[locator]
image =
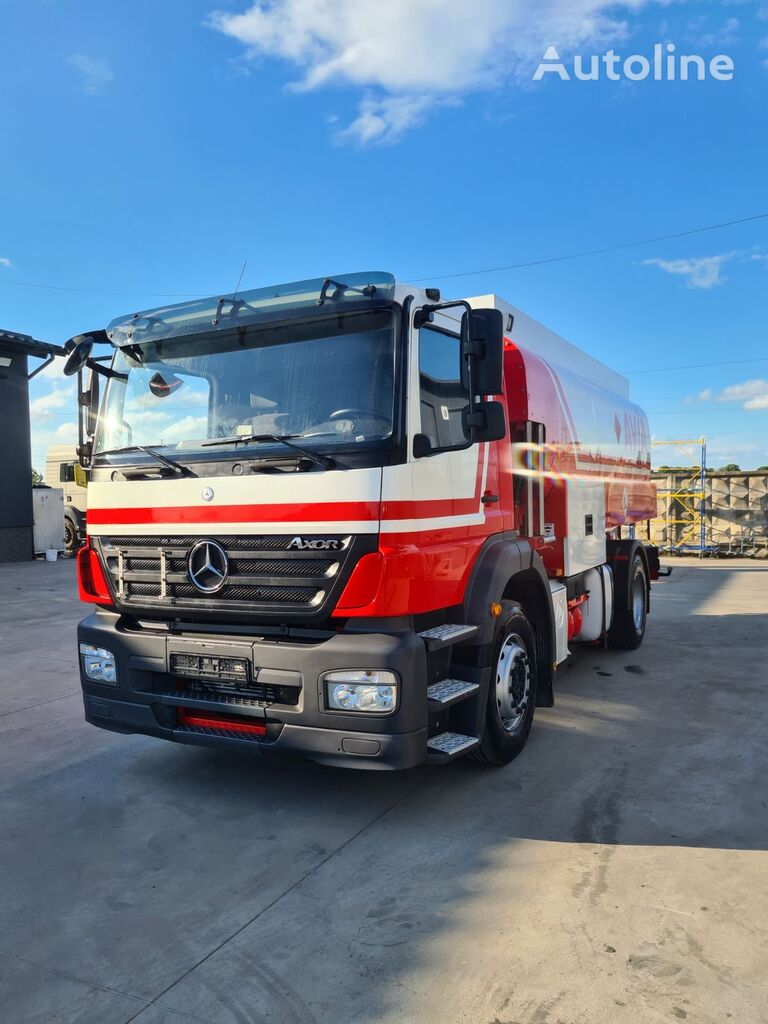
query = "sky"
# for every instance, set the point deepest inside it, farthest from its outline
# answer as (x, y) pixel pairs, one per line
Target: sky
(150, 149)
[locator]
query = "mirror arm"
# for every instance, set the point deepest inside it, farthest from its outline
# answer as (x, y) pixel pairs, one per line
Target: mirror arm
(105, 371)
(97, 337)
(424, 315)
(425, 312)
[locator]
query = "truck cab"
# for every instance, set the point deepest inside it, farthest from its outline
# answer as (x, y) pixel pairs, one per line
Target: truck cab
(61, 465)
(317, 525)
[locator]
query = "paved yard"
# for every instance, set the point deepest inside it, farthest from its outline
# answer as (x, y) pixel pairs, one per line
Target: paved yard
(616, 872)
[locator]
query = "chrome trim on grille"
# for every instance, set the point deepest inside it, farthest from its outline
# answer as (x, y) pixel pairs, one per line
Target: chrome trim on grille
(265, 573)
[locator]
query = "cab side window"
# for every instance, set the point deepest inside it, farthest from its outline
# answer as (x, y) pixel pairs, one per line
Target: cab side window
(443, 398)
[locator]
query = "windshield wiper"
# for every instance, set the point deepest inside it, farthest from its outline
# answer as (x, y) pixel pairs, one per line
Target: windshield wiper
(325, 461)
(177, 468)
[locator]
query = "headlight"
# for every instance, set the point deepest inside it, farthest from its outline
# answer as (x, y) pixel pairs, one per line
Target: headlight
(361, 691)
(99, 664)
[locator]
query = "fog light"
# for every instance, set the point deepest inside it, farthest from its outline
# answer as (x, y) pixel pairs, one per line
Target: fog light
(98, 664)
(361, 691)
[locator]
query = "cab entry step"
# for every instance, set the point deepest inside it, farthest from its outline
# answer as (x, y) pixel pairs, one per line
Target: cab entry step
(448, 745)
(450, 691)
(450, 633)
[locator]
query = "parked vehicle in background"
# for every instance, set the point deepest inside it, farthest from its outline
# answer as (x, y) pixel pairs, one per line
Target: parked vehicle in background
(61, 469)
(347, 520)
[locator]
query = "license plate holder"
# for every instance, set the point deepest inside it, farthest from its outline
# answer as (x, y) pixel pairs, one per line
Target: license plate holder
(214, 668)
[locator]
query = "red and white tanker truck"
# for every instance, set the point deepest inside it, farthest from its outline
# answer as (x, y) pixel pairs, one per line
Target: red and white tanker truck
(348, 520)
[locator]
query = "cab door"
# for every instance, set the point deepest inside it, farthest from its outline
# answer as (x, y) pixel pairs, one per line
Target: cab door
(434, 503)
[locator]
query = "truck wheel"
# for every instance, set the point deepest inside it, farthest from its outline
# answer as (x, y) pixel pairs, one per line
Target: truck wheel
(511, 691)
(630, 603)
(71, 536)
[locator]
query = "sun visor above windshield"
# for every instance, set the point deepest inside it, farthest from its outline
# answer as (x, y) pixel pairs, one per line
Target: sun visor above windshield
(260, 305)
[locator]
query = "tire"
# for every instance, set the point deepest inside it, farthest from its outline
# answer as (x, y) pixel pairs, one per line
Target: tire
(511, 689)
(71, 536)
(630, 603)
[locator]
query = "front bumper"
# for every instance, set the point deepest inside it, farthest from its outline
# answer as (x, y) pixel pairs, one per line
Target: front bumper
(147, 699)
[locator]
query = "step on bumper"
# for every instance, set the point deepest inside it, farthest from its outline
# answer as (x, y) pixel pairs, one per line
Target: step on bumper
(450, 691)
(447, 635)
(447, 746)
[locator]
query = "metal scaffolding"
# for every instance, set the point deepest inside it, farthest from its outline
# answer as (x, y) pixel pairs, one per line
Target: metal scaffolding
(683, 521)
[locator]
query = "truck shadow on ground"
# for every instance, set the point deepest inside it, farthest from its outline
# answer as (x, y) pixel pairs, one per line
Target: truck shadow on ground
(636, 750)
(638, 753)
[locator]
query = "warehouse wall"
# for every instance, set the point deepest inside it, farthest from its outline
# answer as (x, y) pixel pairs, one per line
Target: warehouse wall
(735, 515)
(15, 461)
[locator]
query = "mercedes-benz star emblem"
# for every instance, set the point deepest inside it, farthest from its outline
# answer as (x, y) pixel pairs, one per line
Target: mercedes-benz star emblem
(208, 566)
(207, 494)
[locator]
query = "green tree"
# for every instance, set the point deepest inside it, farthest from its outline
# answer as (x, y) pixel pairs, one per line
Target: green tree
(37, 480)
(730, 467)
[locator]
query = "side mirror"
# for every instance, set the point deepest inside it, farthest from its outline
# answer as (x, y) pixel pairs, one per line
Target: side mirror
(78, 357)
(486, 346)
(484, 421)
(422, 446)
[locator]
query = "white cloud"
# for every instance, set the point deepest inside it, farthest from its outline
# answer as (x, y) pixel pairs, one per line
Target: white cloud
(5, 262)
(752, 394)
(96, 71)
(66, 432)
(705, 272)
(705, 35)
(55, 371)
(46, 406)
(147, 420)
(409, 55)
(745, 453)
(190, 428)
(385, 120)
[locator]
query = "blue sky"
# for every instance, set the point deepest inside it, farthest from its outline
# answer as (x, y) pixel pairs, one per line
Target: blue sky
(151, 148)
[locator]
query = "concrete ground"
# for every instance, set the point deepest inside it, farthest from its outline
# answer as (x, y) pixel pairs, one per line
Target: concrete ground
(616, 872)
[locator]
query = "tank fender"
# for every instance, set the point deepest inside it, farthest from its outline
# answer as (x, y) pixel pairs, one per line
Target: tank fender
(509, 568)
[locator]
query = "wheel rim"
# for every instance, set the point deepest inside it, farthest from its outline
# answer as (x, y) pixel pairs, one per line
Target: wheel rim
(638, 600)
(513, 682)
(69, 536)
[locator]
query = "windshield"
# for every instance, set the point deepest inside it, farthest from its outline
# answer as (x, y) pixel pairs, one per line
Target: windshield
(330, 382)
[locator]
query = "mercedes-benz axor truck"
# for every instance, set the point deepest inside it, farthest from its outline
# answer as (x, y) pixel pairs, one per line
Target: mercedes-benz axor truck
(350, 520)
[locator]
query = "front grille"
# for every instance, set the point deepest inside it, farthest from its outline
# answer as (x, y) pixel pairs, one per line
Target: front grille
(231, 592)
(264, 573)
(253, 697)
(227, 700)
(265, 542)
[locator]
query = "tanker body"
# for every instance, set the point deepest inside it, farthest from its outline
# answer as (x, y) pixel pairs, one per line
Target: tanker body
(374, 540)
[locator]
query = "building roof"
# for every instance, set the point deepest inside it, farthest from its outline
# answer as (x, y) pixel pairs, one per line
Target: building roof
(25, 344)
